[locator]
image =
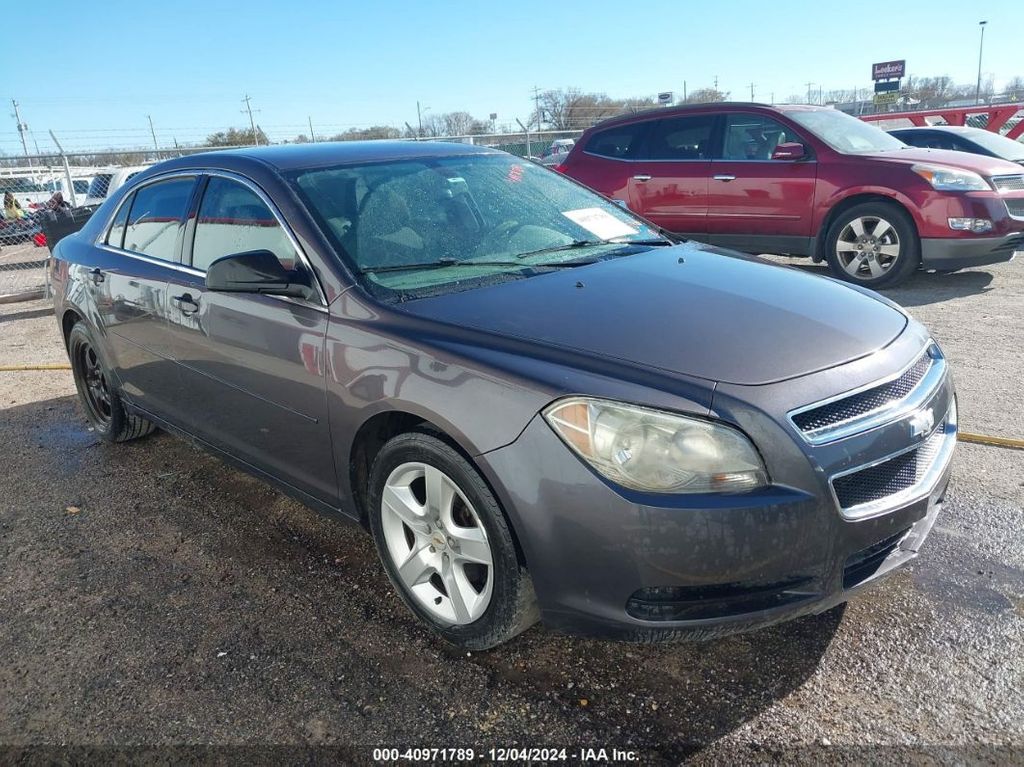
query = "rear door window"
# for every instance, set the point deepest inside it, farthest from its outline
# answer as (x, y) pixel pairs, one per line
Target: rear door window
(154, 222)
(617, 142)
(115, 236)
(682, 138)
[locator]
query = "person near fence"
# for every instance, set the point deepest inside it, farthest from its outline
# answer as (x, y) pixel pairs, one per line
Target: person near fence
(57, 202)
(12, 208)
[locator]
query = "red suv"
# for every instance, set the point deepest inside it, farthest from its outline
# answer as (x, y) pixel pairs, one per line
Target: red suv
(806, 181)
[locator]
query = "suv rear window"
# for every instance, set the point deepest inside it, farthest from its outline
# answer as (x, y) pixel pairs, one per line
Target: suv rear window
(682, 138)
(617, 141)
(100, 184)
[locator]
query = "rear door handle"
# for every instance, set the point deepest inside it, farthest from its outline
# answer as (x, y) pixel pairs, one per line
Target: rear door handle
(724, 177)
(186, 304)
(97, 276)
(641, 178)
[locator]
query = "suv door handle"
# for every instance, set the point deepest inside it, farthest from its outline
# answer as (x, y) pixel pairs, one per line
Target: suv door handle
(641, 178)
(97, 276)
(186, 304)
(724, 177)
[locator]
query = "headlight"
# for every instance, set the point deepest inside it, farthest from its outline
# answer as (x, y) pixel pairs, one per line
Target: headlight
(950, 179)
(655, 451)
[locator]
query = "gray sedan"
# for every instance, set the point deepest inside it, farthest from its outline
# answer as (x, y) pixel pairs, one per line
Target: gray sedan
(539, 405)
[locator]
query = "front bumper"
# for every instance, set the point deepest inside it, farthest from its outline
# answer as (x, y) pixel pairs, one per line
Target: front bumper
(947, 254)
(611, 562)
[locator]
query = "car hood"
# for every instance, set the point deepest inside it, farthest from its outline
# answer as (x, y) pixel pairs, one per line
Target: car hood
(981, 164)
(689, 309)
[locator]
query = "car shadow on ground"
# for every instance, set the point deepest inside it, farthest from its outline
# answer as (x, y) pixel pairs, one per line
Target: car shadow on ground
(236, 599)
(922, 287)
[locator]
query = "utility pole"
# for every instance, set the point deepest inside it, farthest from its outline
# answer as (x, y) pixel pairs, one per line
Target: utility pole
(22, 127)
(809, 86)
(252, 122)
(311, 136)
(152, 132)
(536, 103)
(981, 47)
(419, 121)
(684, 91)
(716, 82)
(751, 91)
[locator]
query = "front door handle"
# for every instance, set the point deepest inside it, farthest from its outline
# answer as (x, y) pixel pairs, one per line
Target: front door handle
(186, 304)
(724, 177)
(641, 178)
(97, 276)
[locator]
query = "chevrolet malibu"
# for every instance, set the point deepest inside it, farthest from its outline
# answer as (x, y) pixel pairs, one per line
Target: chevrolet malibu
(540, 406)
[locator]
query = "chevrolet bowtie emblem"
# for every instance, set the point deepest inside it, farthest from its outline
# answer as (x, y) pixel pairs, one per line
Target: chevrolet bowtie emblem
(921, 422)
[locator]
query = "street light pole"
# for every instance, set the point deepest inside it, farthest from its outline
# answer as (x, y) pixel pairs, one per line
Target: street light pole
(981, 48)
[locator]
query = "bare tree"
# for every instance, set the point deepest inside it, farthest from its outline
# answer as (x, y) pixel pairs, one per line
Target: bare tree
(236, 137)
(1014, 88)
(705, 96)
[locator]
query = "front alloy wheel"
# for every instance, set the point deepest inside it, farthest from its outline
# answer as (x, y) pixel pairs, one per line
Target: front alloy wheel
(868, 247)
(446, 544)
(437, 543)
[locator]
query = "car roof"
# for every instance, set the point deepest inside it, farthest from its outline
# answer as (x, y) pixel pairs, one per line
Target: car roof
(707, 106)
(944, 128)
(285, 157)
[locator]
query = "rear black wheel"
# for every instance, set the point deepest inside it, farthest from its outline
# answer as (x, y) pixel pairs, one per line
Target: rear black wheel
(98, 392)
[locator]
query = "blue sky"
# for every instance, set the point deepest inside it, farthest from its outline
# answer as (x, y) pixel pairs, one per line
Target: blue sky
(92, 72)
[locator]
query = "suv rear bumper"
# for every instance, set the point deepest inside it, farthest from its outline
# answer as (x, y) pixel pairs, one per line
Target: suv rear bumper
(956, 253)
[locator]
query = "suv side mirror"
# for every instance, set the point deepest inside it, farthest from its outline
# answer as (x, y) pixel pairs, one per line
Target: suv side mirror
(789, 150)
(256, 271)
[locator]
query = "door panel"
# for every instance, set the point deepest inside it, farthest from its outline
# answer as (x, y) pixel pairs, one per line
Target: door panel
(130, 291)
(250, 367)
(751, 194)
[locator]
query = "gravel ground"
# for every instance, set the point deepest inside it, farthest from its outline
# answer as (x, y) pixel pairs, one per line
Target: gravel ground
(21, 269)
(153, 596)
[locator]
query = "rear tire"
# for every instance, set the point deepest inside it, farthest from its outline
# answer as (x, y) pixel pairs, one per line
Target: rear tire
(874, 244)
(445, 543)
(100, 397)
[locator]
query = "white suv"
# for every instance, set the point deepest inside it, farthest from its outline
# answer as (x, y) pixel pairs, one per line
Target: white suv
(108, 181)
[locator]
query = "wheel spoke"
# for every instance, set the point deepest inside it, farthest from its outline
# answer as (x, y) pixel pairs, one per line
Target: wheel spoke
(471, 544)
(845, 247)
(460, 592)
(876, 268)
(401, 502)
(440, 492)
(881, 228)
(857, 225)
(417, 568)
(889, 250)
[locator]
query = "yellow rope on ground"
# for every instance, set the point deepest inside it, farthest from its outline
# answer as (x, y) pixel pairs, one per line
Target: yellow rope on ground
(40, 366)
(984, 439)
(964, 436)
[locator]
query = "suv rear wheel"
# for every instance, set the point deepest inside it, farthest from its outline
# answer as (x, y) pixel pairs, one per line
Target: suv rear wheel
(873, 244)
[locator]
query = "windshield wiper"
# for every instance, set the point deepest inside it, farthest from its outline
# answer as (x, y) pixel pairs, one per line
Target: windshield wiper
(567, 246)
(452, 262)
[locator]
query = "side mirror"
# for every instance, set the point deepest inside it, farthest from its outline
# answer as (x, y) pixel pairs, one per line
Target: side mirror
(789, 150)
(256, 271)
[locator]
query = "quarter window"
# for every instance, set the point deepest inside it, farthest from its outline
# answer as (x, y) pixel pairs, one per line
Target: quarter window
(233, 219)
(115, 236)
(682, 138)
(156, 216)
(753, 137)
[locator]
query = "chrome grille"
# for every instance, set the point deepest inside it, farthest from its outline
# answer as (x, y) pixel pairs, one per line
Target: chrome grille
(1009, 183)
(890, 477)
(1016, 207)
(865, 402)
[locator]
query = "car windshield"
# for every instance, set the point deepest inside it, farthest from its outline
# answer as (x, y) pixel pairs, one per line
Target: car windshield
(844, 133)
(999, 145)
(433, 225)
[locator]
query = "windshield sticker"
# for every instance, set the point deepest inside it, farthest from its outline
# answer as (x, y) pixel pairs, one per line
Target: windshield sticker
(515, 174)
(600, 223)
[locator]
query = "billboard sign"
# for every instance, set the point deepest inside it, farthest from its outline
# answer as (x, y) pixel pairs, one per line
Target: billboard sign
(887, 86)
(889, 70)
(886, 98)
(665, 97)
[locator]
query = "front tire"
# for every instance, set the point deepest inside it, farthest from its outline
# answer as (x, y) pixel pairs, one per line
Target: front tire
(100, 397)
(446, 545)
(873, 244)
